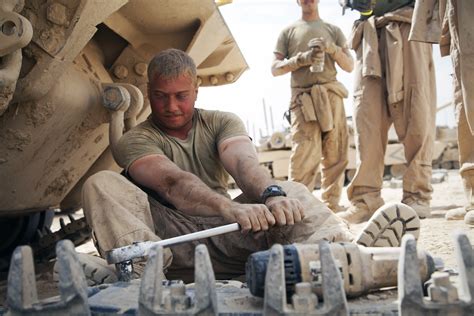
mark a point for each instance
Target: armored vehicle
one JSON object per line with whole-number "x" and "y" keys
{"x": 73, "y": 79}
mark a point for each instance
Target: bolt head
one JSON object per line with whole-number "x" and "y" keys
{"x": 177, "y": 289}
{"x": 121, "y": 72}
{"x": 303, "y": 288}
{"x": 214, "y": 80}
{"x": 140, "y": 69}
{"x": 229, "y": 77}
{"x": 441, "y": 278}
{"x": 113, "y": 97}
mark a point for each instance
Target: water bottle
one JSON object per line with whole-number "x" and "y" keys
{"x": 318, "y": 65}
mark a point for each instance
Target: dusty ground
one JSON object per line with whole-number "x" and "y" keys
{"x": 436, "y": 233}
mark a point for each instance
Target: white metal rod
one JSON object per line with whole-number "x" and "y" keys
{"x": 141, "y": 249}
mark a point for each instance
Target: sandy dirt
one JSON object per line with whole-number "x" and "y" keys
{"x": 436, "y": 234}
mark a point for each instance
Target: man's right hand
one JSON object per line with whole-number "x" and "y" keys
{"x": 316, "y": 51}
{"x": 251, "y": 217}
{"x": 318, "y": 44}
{"x": 307, "y": 58}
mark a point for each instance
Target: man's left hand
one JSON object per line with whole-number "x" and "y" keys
{"x": 319, "y": 44}
{"x": 287, "y": 211}
{"x": 331, "y": 48}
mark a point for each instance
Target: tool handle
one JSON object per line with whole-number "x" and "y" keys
{"x": 141, "y": 249}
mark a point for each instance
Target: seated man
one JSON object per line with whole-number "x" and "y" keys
{"x": 182, "y": 156}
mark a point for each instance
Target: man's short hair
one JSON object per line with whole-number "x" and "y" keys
{"x": 170, "y": 64}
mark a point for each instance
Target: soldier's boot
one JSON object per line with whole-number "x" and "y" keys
{"x": 335, "y": 206}
{"x": 388, "y": 225}
{"x": 467, "y": 211}
{"x": 356, "y": 213}
{"x": 98, "y": 271}
{"x": 421, "y": 207}
{"x": 467, "y": 174}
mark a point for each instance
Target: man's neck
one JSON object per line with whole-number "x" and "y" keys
{"x": 313, "y": 16}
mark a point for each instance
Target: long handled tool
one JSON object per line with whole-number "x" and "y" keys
{"x": 122, "y": 257}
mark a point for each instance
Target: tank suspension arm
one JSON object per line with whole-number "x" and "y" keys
{"x": 15, "y": 33}
{"x": 124, "y": 102}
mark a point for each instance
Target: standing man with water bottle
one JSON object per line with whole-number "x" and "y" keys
{"x": 310, "y": 48}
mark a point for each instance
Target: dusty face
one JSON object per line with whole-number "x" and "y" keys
{"x": 172, "y": 104}
{"x": 308, "y": 6}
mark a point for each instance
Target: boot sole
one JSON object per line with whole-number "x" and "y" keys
{"x": 96, "y": 270}
{"x": 388, "y": 225}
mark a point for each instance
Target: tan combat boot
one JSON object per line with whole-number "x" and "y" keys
{"x": 466, "y": 212}
{"x": 388, "y": 225}
{"x": 336, "y": 207}
{"x": 467, "y": 175}
{"x": 422, "y": 208}
{"x": 356, "y": 213}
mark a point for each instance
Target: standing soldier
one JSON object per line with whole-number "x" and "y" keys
{"x": 394, "y": 83}
{"x": 455, "y": 37}
{"x": 309, "y": 49}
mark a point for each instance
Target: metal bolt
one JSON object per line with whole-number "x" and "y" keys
{"x": 177, "y": 300}
{"x": 441, "y": 278}
{"x": 213, "y": 80}
{"x": 303, "y": 288}
{"x": 177, "y": 289}
{"x": 304, "y": 300}
{"x": 120, "y": 71}
{"x": 8, "y": 28}
{"x": 115, "y": 97}
{"x": 140, "y": 69}
{"x": 442, "y": 291}
{"x": 229, "y": 77}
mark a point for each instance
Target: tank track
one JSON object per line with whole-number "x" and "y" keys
{"x": 77, "y": 231}
{"x": 154, "y": 296}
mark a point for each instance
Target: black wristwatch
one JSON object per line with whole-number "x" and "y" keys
{"x": 272, "y": 190}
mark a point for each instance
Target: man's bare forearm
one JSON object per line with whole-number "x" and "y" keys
{"x": 252, "y": 178}
{"x": 344, "y": 59}
{"x": 183, "y": 189}
{"x": 281, "y": 67}
{"x": 192, "y": 196}
{"x": 241, "y": 161}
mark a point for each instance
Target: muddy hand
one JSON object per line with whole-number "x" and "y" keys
{"x": 251, "y": 217}
{"x": 287, "y": 211}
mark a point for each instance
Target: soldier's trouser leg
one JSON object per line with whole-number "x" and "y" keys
{"x": 371, "y": 122}
{"x": 335, "y": 147}
{"x": 415, "y": 122}
{"x": 118, "y": 212}
{"x": 305, "y": 150}
{"x": 465, "y": 137}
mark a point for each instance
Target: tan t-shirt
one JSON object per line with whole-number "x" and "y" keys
{"x": 197, "y": 154}
{"x": 294, "y": 39}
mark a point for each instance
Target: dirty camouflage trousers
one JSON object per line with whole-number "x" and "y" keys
{"x": 120, "y": 213}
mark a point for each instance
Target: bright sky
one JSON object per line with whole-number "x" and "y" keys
{"x": 255, "y": 25}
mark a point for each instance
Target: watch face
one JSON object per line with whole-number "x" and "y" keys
{"x": 272, "y": 190}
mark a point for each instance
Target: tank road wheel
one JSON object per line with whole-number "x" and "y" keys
{"x": 15, "y": 231}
